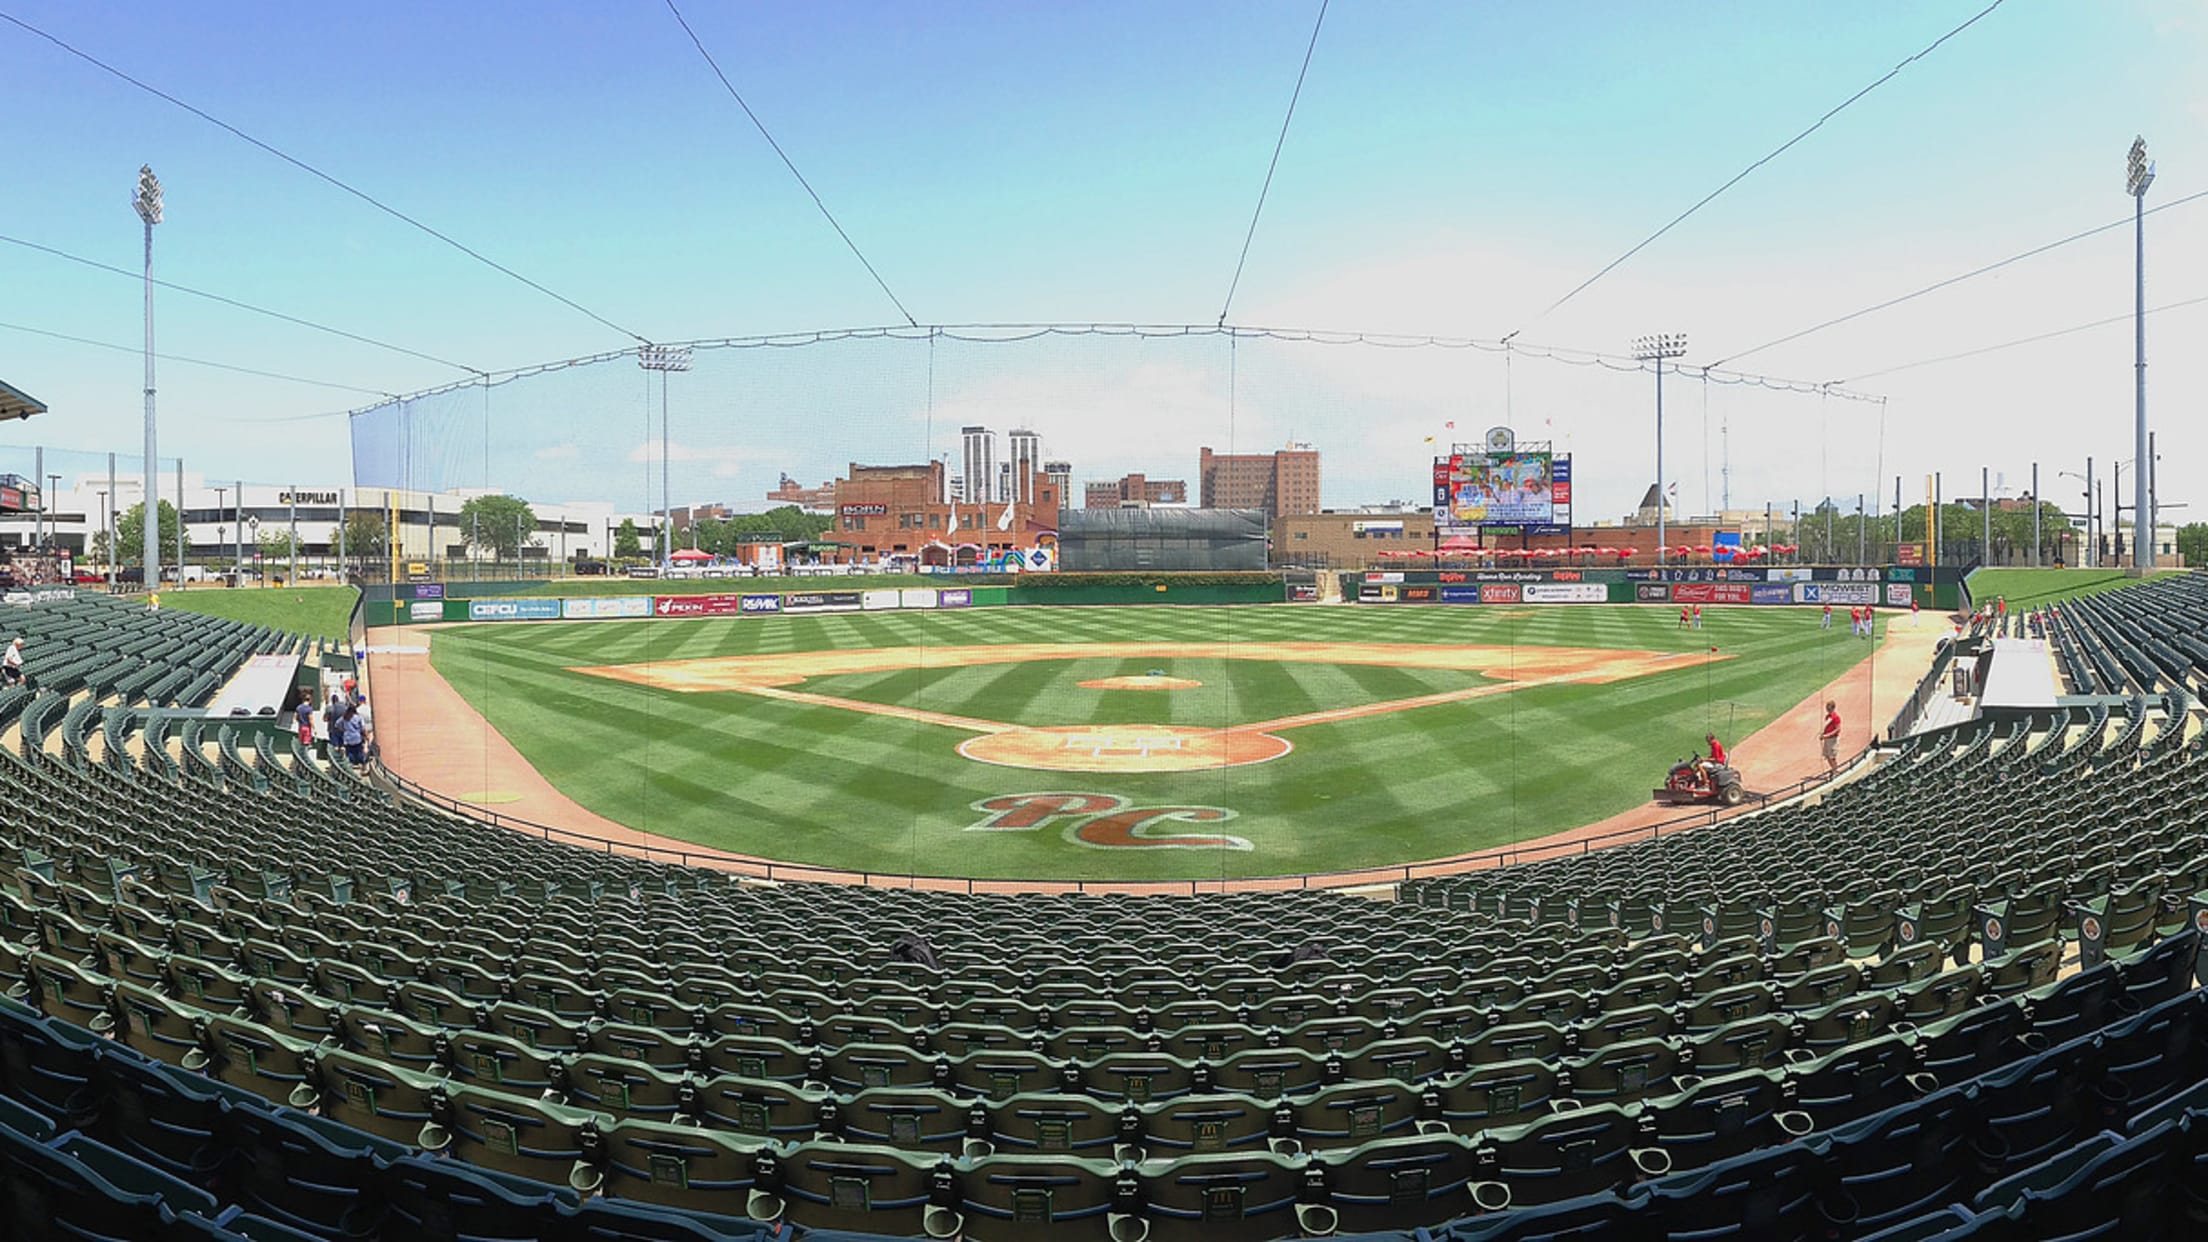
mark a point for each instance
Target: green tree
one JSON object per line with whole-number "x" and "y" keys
{"x": 130, "y": 534}
{"x": 627, "y": 540}
{"x": 2192, "y": 543}
{"x": 500, "y": 525}
{"x": 275, "y": 545}
{"x": 364, "y": 536}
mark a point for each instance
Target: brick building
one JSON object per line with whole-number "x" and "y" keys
{"x": 1133, "y": 491}
{"x": 885, "y": 511}
{"x": 1281, "y": 483}
{"x": 820, "y": 499}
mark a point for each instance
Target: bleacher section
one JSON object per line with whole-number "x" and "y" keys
{"x": 254, "y": 997}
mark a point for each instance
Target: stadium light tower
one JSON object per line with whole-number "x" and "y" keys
{"x": 148, "y": 204}
{"x": 1655, "y": 349}
{"x": 663, "y": 359}
{"x": 2138, "y": 175}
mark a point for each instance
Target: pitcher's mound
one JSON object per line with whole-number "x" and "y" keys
{"x": 1142, "y": 681}
{"x": 1123, "y": 748}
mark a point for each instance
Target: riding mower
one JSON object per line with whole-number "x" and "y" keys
{"x": 1694, "y": 780}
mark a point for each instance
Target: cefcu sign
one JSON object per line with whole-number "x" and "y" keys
{"x": 513, "y": 610}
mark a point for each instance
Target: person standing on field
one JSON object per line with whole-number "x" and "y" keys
{"x": 1828, "y": 616}
{"x": 1830, "y": 738}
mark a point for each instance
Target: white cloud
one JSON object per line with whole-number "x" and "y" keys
{"x": 559, "y": 452}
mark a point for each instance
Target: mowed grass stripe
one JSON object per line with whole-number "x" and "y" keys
{"x": 841, "y": 788}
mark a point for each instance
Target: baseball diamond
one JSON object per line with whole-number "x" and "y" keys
{"x": 1335, "y": 737}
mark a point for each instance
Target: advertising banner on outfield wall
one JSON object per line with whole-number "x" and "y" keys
{"x": 1460, "y": 594}
{"x": 821, "y": 601}
{"x": 423, "y": 590}
{"x": 1711, "y": 593}
{"x": 1500, "y": 593}
{"x": 1897, "y": 594}
{"x": 1771, "y": 593}
{"x": 1566, "y": 593}
{"x": 917, "y": 597}
{"x": 513, "y": 610}
{"x": 753, "y": 604}
{"x": 699, "y": 605}
{"x": 420, "y": 610}
{"x": 963, "y": 597}
{"x": 1836, "y": 592}
{"x": 603, "y": 607}
{"x": 1793, "y": 573}
{"x": 1652, "y": 592}
{"x": 877, "y": 601}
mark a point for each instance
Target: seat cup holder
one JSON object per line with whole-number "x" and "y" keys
{"x": 764, "y": 1206}
{"x": 1120, "y": 1227}
{"x": 942, "y": 1223}
{"x": 1651, "y": 1161}
{"x": 1923, "y": 1082}
{"x": 1794, "y": 1123}
{"x": 2034, "y": 1041}
{"x": 1490, "y": 1196}
{"x": 1285, "y": 1147}
{"x": 976, "y": 1149}
{"x": 432, "y": 1137}
{"x": 1316, "y": 1220}
{"x": 304, "y": 1098}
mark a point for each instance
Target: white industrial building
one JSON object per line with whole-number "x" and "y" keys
{"x": 223, "y": 519}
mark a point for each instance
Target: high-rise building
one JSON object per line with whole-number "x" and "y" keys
{"x": 979, "y": 448}
{"x": 1281, "y": 483}
{"x": 1060, "y": 476}
{"x": 1133, "y": 491}
{"x": 1024, "y": 460}
{"x": 1005, "y": 486}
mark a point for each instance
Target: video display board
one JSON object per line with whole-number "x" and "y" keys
{"x": 1504, "y": 493}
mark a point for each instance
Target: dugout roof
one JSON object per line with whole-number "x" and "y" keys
{"x": 15, "y": 403}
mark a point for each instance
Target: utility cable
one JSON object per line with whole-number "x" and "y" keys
{"x": 1278, "y": 143}
{"x": 715, "y": 66}
{"x": 1956, "y": 280}
{"x": 199, "y": 362}
{"x": 1781, "y": 149}
{"x": 245, "y": 306}
{"x": 317, "y": 173}
{"x": 2126, "y": 317}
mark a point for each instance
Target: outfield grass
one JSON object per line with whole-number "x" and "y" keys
{"x": 841, "y": 788}
{"x": 1040, "y": 693}
{"x": 319, "y": 611}
{"x": 2034, "y": 588}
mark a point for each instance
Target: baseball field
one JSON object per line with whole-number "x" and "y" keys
{"x": 1131, "y": 743}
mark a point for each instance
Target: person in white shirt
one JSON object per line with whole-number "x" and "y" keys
{"x": 11, "y": 665}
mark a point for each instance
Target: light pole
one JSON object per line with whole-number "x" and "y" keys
{"x": 663, "y": 359}
{"x": 46, "y": 503}
{"x": 148, "y": 204}
{"x": 294, "y": 571}
{"x": 106, "y": 539}
{"x": 1656, "y": 349}
{"x": 222, "y": 496}
{"x": 2139, "y": 174}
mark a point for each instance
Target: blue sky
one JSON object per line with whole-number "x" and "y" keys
{"x": 1453, "y": 168}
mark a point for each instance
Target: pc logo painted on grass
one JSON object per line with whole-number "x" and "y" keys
{"x": 1103, "y": 821}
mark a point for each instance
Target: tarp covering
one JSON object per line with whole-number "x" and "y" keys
{"x": 1174, "y": 540}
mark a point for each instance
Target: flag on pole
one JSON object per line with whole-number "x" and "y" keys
{"x": 1004, "y": 521}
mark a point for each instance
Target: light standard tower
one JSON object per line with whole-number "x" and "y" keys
{"x": 46, "y": 504}
{"x": 1656, "y": 349}
{"x": 148, "y": 204}
{"x": 2139, "y": 174}
{"x": 663, "y": 358}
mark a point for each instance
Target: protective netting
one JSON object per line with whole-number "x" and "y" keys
{"x": 1112, "y": 401}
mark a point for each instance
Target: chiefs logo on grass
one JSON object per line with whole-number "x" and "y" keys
{"x": 1106, "y": 822}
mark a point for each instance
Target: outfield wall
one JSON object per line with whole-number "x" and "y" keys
{"x": 1895, "y": 586}
{"x": 425, "y": 603}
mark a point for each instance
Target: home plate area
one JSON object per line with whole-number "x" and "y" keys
{"x": 1147, "y": 748}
